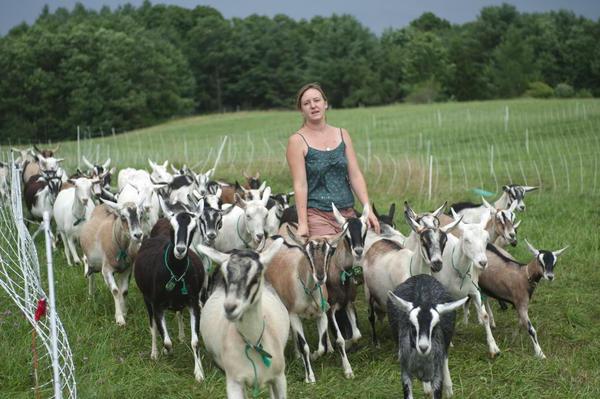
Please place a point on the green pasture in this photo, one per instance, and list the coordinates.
(403, 150)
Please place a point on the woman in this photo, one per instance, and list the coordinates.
(324, 168)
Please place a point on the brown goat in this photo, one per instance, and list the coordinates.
(508, 280)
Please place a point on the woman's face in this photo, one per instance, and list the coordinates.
(313, 105)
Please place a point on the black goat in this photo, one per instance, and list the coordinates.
(171, 277)
(421, 315)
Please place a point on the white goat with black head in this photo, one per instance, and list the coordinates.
(512, 193)
(170, 276)
(421, 315)
(110, 240)
(510, 281)
(244, 324)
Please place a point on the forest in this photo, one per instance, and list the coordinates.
(131, 67)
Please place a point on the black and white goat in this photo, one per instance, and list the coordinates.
(170, 276)
(421, 315)
(512, 193)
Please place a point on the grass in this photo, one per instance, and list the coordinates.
(552, 144)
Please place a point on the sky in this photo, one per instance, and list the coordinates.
(375, 14)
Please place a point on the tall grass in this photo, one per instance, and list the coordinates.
(552, 144)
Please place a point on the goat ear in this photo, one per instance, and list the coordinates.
(86, 162)
(392, 210)
(446, 229)
(487, 205)
(291, 194)
(529, 188)
(560, 251)
(152, 164)
(239, 201)
(266, 195)
(450, 306)
(112, 206)
(165, 164)
(165, 207)
(338, 216)
(409, 211)
(262, 186)
(485, 218)
(267, 255)
(292, 234)
(531, 248)
(336, 239)
(439, 211)
(516, 225)
(365, 213)
(213, 254)
(513, 206)
(400, 303)
(375, 211)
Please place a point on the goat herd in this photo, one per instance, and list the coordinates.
(169, 228)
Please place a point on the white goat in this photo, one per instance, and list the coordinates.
(464, 260)
(72, 207)
(244, 325)
(244, 226)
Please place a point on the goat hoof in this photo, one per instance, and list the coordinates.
(121, 322)
(540, 355)
(316, 355)
(154, 355)
(198, 376)
(427, 388)
(448, 392)
(494, 354)
(349, 374)
(310, 380)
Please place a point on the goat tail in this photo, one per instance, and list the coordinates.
(343, 322)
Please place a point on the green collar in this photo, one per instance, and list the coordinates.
(174, 280)
(264, 355)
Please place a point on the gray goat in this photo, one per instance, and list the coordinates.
(421, 315)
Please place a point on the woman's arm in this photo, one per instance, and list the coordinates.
(357, 181)
(295, 159)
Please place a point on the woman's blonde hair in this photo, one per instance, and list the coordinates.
(303, 90)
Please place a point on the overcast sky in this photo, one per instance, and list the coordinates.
(376, 14)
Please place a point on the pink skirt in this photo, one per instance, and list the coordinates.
(323, 223)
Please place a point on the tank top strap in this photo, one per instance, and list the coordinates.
(341, 135)
(300, 134)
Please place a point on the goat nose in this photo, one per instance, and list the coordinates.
(551, 277)
(436, 266)
(212, 235)
(358, 251)
(423, 347)
(259, 237)
(230, 308)
(180, 249)
(483, 263)
(137, 236)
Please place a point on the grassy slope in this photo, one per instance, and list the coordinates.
(393, 145)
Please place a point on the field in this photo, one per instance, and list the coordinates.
(423, 154)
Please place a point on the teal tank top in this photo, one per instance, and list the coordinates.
(327, 178)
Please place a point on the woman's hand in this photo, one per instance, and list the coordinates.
(302, 230)
(373, 222)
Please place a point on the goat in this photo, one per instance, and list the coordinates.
(244, 325)
(508, 280)
(40, 193)
(421, 315)
(341, 282)
(501, 226)
(298, 273)
(465, 259)
(511, 193)
(159, 172)
(42, 162)
(387, 264)
(110, 240)
(244, 226)
(103, 173)
(139, 190)
(72, 207)
(252, 182)
(170, 276)
(25, 156)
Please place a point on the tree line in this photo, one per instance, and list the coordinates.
(135, 66)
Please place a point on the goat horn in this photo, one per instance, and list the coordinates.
(86, 162)
(55, 149)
